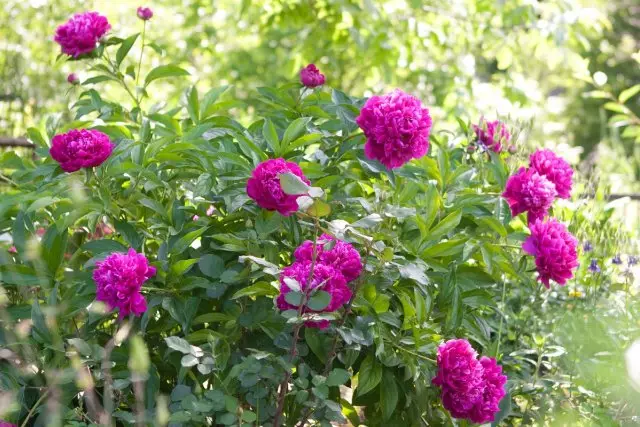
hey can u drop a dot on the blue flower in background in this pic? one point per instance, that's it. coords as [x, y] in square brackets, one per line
[633, 260]
[616, 260]
[593, 267]
[587, 246]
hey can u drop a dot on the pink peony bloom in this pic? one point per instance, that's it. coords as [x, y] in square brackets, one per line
[458, 369]
[555, 169]
[119, 278]
[12, 250]
[397, 128]
[73, 79]
[7, 424]
[527, 191]
[487, 406]
[493, 135]
[264, 186]
[145, 13]
[80, 149]
[471, 388]
[342, 256]
[81, 33]
[310, 76]
[325, 278]
[554, 249]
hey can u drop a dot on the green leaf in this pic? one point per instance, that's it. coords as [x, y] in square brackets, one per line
[368, 221]
[388, 394]
[188, 360]
[40, 330]
[450, 222]
[627, 94]
[193, 105]
[618, 108]
[19, 275]
[124, 48]
[210, 99]
[271, 136]
[414, 272]
[303, 141]
[54, 245]
[178, 344]
[505, 410]
[185, 241]
[259, 289]
[337, 377]
[292, 184]
[369, 375]
[155, 206]
[211, 265]
[164, 71]
[455, 313]
[319, 209]
[294, 298]
[294, 131]
[129, 233]
[319, 301]
[181, 267]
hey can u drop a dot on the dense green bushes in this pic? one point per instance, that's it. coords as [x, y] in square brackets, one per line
[441, 257]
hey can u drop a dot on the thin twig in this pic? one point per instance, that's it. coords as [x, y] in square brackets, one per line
[34, 407]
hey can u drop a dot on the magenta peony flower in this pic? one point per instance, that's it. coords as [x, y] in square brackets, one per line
[310, 76]
[471, 388]
[554, 249]
[493, 135]
[73, 79]
[325, 278]
[7, 424]
[81, 33]
[458, 369]
[527, 191]
[397, 128]
[487, 406]
[144, 13]
[342, 256]
[80, 149]
[555, 169]
[264, 186]
[119, 278]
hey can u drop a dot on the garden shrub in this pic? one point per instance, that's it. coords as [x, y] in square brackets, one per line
[171, 265]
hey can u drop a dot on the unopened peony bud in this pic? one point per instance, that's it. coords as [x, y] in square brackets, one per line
[73, 79]
[145, 13]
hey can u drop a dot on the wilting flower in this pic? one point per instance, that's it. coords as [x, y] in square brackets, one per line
[119, 278]
[587, 246]
[73, 79]
[144, 13]
[324, 277]
[342, 256]
[555, 169]
[554, 249]
[81, 33]
[310, 76]
[492, 135]
[397, 128]
[80, 149]
[471, 388]
[593, 266]
[264, 186]
[616, 260]
[528, 191]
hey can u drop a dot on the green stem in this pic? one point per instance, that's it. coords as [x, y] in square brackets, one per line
[504, 286]
[34, 407]
[144, 30]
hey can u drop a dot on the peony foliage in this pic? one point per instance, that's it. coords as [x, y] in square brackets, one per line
[334, 259]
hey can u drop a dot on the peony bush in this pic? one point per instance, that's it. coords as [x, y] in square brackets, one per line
[332, 260]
